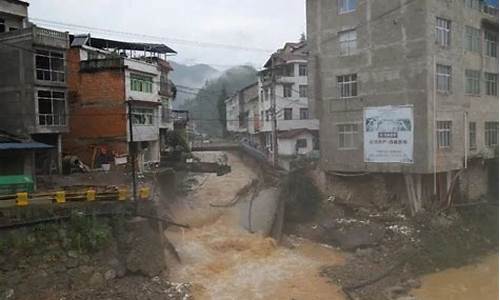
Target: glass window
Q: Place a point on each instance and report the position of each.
(288, 70)
(491, 134)
(49, 65)
(51, 108)
(287, 90)
(444, 134)
(443, 32)
(140, 83)
(304, 113)
(288, 113)
(345, 6)
(301, 143)
(473, 4)
(142, 116)
(347, 86)
(443, 78)
(2, 25)
(472, 39)
(472, 82)
(348, 42)
(303, 91)
(491, 81)
(302, 69)
(472, 136)
(347, 134)
(491, 43)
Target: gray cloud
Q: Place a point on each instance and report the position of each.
(265, 24)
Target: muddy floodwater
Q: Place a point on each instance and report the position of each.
(478, 281)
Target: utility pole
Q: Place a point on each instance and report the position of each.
(131, 149)
(274, 117)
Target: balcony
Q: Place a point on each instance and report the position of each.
(100, 64)
(50, 38)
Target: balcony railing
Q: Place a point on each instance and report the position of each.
(98, 64)
(51, 38)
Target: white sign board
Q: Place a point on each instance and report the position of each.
(388, 134)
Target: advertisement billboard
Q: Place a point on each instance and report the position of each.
(388, 134)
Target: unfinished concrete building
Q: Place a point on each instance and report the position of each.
(406, 87)
(33, 88)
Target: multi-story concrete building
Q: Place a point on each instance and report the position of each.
(284, 81)
(33, 89)
(106, 78)
(406, 87)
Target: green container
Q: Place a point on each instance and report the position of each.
(10, 185)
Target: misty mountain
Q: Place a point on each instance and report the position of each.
(205, 109)
(194, 76)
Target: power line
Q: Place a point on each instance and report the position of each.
(185, 42)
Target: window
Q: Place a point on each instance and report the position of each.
(443, 32)
(304, 113)
(303, 91)
(142, 116)
(287, 113)
(262, 115)
(473, 4)
(347, 86)
(288, 70)
(2, 25)
(443, 78)
(491, 134)
(287, 90)
(472, 39)
(49, 65)
(141, 83)
(491, 81)
(51, 108)
(472, 136)
(301, 143)
(472, 82)
(491, 43)
(347, 136)
(302, 70)
(348, 42)
(444, 134)
(346, 6)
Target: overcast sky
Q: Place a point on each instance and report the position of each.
(263, 24)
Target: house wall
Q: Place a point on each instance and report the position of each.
(288, 146)
(14, 14)
(97, 110)
(394, 63)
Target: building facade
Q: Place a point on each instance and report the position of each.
(436, 60)
(33, 82)
(284, 81)
(106, 79)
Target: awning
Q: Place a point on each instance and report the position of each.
(24, 146)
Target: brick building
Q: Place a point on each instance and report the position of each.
(106, 77)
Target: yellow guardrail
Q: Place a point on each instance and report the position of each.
(90, 195)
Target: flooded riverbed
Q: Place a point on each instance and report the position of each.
(478, 281)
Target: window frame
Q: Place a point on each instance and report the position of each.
(303, 90)
(472, 82)
(287, 90)
(288, 113)
(302, 69)
(53, 115)
(491, 134)
(49, 73)
(342, 135)
(348, 45)
(491, 86)
(491, 43)
(443, 32)
(349, 80)
(302, 144)
(143, 116)
(343, 6)
(444, 134)
(472, 39)
(472, 136)
(141, 83)
(304, 113)
(447, 76)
